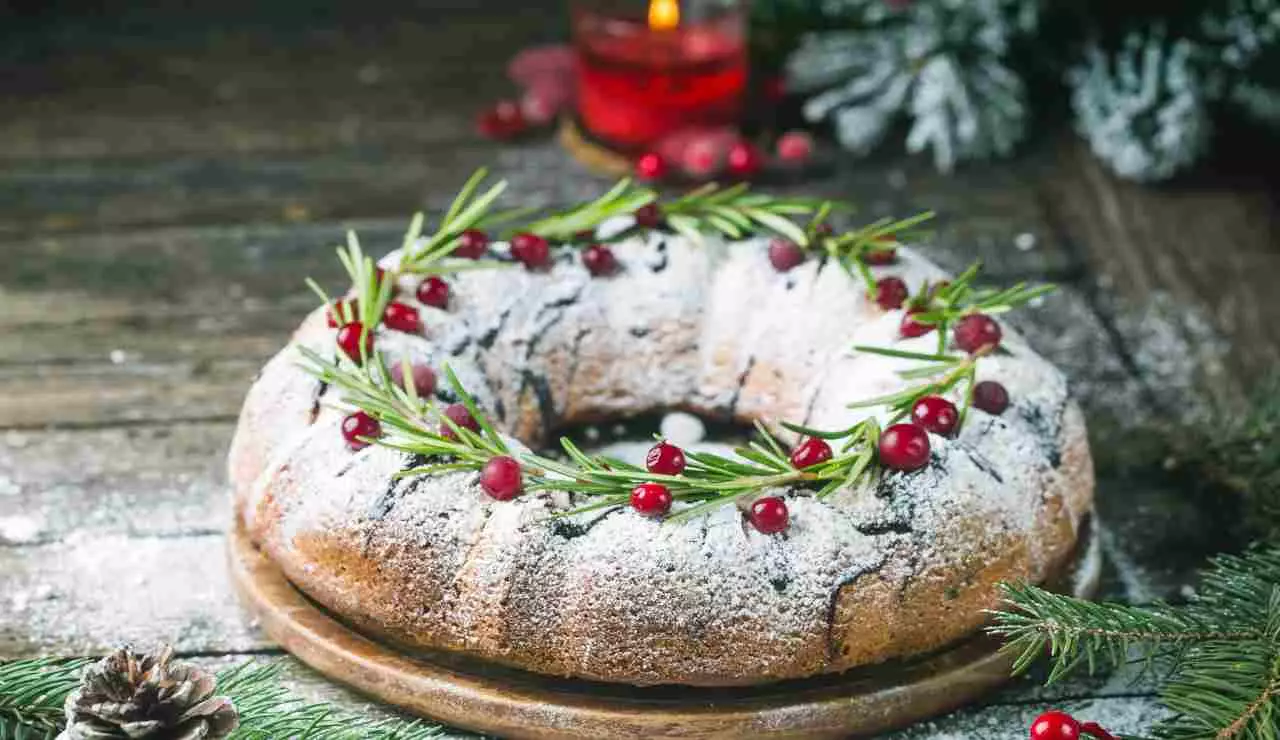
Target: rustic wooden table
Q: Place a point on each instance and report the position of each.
(167, 180)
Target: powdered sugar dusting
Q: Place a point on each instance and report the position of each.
(613, 595)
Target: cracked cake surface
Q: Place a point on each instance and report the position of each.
(881, 571)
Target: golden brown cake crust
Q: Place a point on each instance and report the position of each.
(867, 575)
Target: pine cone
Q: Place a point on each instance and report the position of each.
(145, 697)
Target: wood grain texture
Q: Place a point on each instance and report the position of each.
(516, 704)
(161, 200)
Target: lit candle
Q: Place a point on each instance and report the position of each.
(649, 68)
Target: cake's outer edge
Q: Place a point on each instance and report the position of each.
(433, 563)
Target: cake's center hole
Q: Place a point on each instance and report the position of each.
(629, 439)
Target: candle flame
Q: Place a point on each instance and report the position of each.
(664, 15)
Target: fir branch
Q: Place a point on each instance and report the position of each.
(32, 693)
(269, 711)
(1219, 654)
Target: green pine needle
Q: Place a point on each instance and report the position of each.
(32, 693)
(1218, 655)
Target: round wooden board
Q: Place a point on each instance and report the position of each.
(518, 704)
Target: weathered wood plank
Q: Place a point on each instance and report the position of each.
(150, 481)
(1191, 265)
(85, 595)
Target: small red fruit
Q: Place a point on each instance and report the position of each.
(935, 414)
(784, 255)
(459, 415)
(423, 377)
(402, 317)
(1055, 725)
(434, 292)
(977, 333)
(503, 121)
(795, 147)
(358, 428)
(880, 257)
(349, 337)
(340, 310)
(911, 328)
(651, 166)
(531, 249)
(599, 260)
(651, 499)
(665, 458)
(769, 515)
(991, 397)
(904, 447)
(812, 451)
(744, 160)
(649, 216)
(472, 244)
(891, 293)
(501, 478)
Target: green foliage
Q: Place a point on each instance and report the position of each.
(1218, 656)
(32, 693)
(31, 696)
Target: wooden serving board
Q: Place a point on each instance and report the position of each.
(518, 704)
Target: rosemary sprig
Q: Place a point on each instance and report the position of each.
(620, 200)
(736, 212)
(946, 303)
(411, 424)
(467, 211)
(850, 248)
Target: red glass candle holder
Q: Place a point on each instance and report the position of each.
(647, 68)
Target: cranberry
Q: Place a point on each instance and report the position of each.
(911, 328)
(651, 166)
(977, 333)
(599, 260)
(531, 249)
(769, 515)
(991, 397)
(812, 451)
(649, 216)
(503, 121)
(349, 341)
(340, 310)
(795, 147)
(904, 447)
(423, 377)
(651, 499)
(784, 255)
(459, 415)
(434, 292)
(744, 160)
(880, 257)
(1055, 725)
(358, 428)
(501, 479)
(891, 293)
(935, 414)
(665, 458)
(402, 317)
(472, 244)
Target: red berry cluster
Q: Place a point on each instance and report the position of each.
(1056, 725)
(703, 154)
